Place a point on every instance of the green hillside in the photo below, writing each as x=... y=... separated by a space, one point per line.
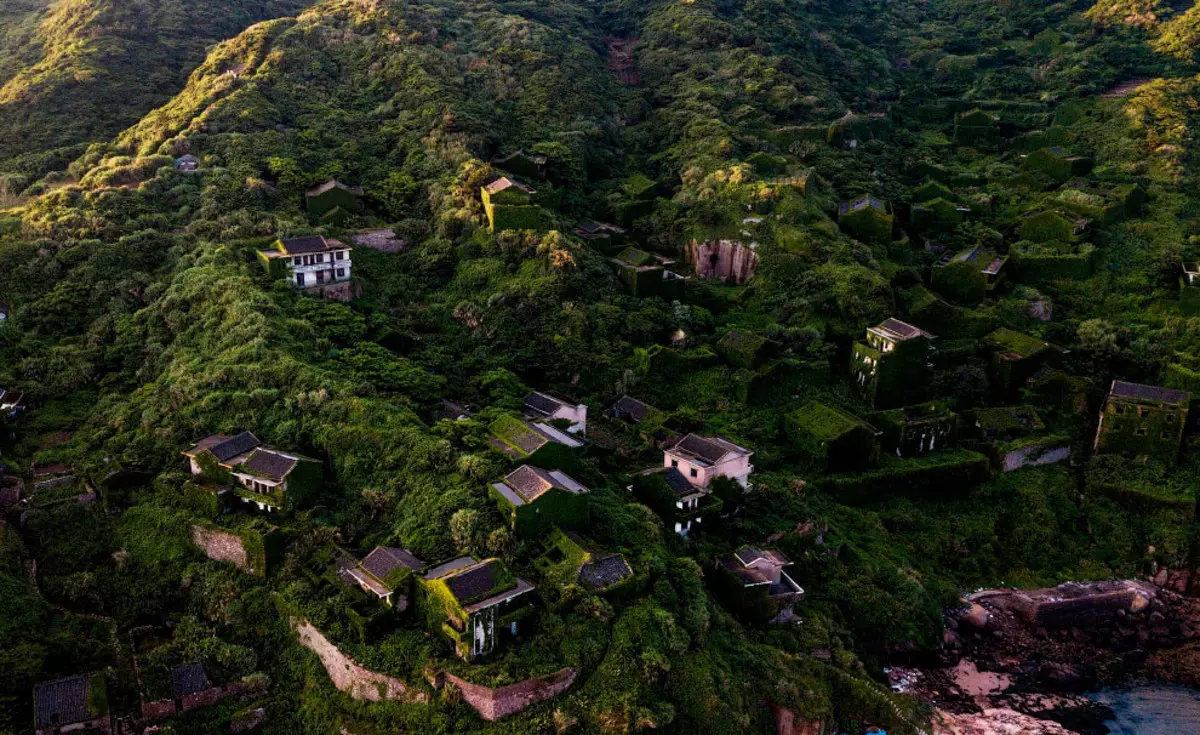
x=961 y=166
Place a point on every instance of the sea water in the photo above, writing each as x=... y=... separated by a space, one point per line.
x=1151 y=709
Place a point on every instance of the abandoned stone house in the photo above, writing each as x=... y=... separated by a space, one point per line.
x=261 y=476
x=766 y=590
x=724 y=260
x=309 y=261
x=832 y=439
x=689 y=503
x=702 y=459
x=509 y=205
x=891 y=365
x=867 y=219
x=1014 y=357
x=478 y=602
x=1142 y=421
x=1015 y=437
x=604 y=573
x=187 y=164
x=968 y=275
x=333 y=201
x=533 y=499
x=386 y=573
x=914 y=431
x=543 y=407
x=530 y=165
x=72 y=704
x=538 y=442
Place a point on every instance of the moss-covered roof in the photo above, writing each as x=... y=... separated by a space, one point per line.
x=826 y=422
x=1015 y=343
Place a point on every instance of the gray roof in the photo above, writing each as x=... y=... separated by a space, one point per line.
x=188 y=679
x=309 y=244
x=386 y=559
x=631 y=407
x=707 y=449
x=231 y=448
x=441 y=570
x=62 y=702
x=602 y=573
x=677 y=482
x=270 y=464
x=334 y=184
x=471 y=583
x=543 y=404
x=531 y=483
x=1121 y=389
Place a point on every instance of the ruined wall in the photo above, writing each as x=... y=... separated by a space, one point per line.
x=221 y=546
x=347 y=675
x=726 y=260
x=494 y=703
x=1032 y=456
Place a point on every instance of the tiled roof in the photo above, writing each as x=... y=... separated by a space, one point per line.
x=543 y=404
x=708 y=449
x=452 y=411
x=532 y=482
x=1121 y=389
x=473 y=582
x=331 y=185
x=600 y=574
x=748 y=554
x=270 y=464
x=62 y=702
x=207 y=442
x=385 y=559
x=504 y=183
x=188 y=679
x=902 y=330
x=677 y=482
x=309 y=244
x=631 y=407
x=230 y=448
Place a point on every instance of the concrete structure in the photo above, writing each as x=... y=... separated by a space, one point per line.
x=765 y=587
x=532 y=499
x=725 y=260
x=383 y=573
x=1142 y=421
x=891 y=365
x=478 y=601
x=260 y=475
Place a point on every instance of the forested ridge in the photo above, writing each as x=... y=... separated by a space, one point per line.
x=1052 y=138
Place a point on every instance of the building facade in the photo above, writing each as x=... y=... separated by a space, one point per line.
x=309 y=261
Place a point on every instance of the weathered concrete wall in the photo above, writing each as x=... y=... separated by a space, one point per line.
x=347 y=675
x=1033 y=456
x=726 y=260
x=494 y=703
x=221 y=545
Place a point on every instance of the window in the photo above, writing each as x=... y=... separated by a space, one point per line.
x=694 y=472
x=1170 y=417
x=1162 y=435
x=1141 y=431
x=341 y=255
x=299 y=279
x=320 y=258
x=1118 y=409
x=674 y=463
x=341 y=272
x=297 y=260
x=320 y=276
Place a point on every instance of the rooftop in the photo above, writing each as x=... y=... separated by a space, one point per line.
x=483 y=584
x=707 y=450
x=309 y=244
x=270 y=464
x=1137 y=391
x=526 y=484
x=861 y=203
x=1015 y=345
x=331 y=185
x=899 y=331
x=827 y=423
x=188 y=679
x=64 y=701
x=386 y=559
x=632 y=407
x=504 y=184
x=605 y=572
x=544 y=405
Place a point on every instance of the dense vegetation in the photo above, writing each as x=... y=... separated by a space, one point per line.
x=141 y=320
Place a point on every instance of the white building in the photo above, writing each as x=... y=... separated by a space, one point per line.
x=702 y=459
x=311 y=260
x=540 y=406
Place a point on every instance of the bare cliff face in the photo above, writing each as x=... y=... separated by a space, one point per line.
x=1010 y=656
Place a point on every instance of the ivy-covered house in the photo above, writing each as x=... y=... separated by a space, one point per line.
x=867 y=219
x=509 y=205
x=533 y=499
x=1142 y=421
x=645 y=274
x=529 y=165
x=937 y=214
x=682 y=505
x=76 y=703
x=967 y=276
x=267 y=478
x=975 y=126
x=543 y=407
x=603 y=236
x=1056 y=163
x=891 y=365
x=753 y=582
x=742 y=349
x=1016 y=437
x=387 y=572
x=311 y=261
x=1048 y=226
x=1038 y=263
x=1014 y=357
x=534 y=442
x=833 y=440
x=475 y=603
x=1189 y=288
x=333 y=201
x=914 y=431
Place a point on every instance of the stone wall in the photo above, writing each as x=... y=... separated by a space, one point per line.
x=221 y=546
x=726 y=260
x=494 y=703
x=347 y=675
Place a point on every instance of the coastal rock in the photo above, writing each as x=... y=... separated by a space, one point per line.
x=994 y=722
x=977 y=616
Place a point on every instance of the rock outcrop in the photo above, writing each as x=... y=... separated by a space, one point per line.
x=725 y=260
